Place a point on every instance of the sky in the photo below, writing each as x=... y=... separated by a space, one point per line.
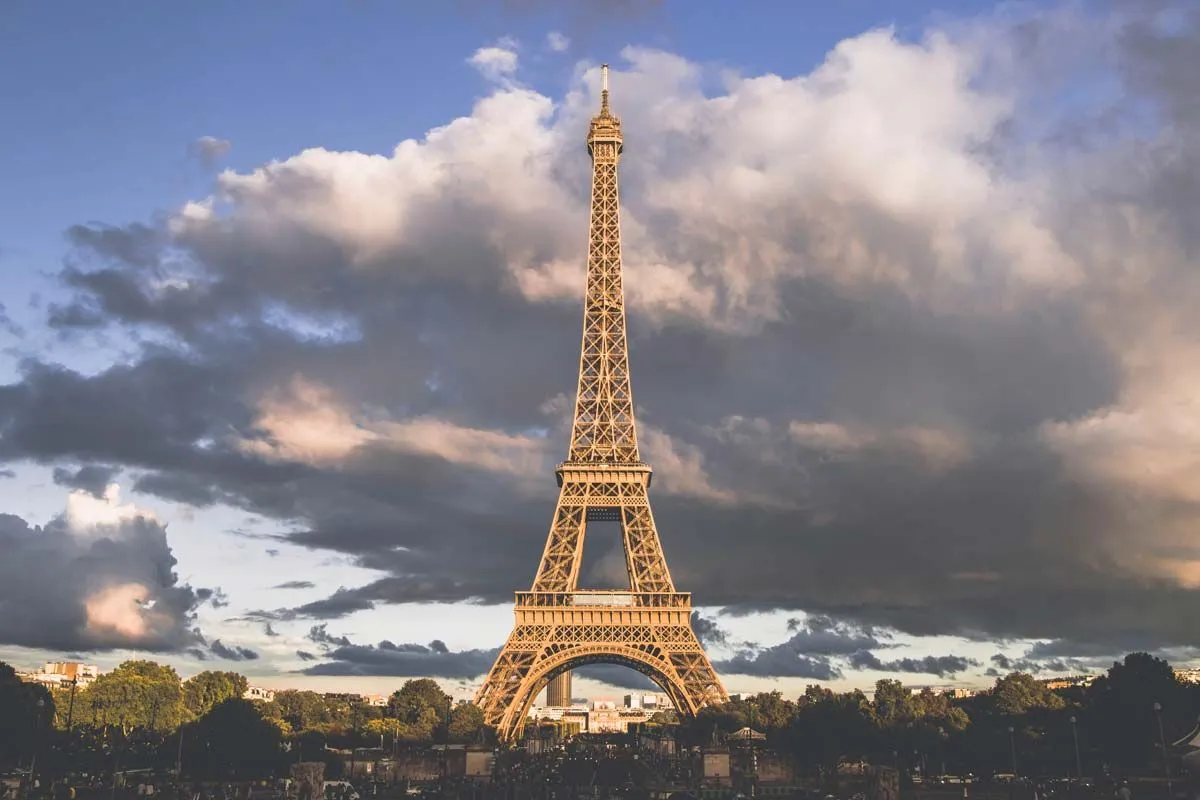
x=291 y=309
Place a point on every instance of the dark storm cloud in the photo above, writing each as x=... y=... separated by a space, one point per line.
x=851 y=422
x=618 y=677
x=304 y=655
x=295 y=585
x=7 y=473
x=816 y=649
x=78 y=585
x=941 y=666
x=1003 y=665
x=708 y=631
x=402 y=661
x=234 y=653
x=779 y=661
x=821 y=635
x=91 y=478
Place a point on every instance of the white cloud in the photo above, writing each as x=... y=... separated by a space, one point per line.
x=497 y=63
x=209 y=149
x=307 y=423
x=557 y=42
x=88 y=514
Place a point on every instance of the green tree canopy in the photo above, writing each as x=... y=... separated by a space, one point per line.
x=466 y=721
x=413 y=701
x=1020 y=693
x=137 y=694
x=204 y=691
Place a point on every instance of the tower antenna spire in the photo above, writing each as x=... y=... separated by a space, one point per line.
x=604 y=89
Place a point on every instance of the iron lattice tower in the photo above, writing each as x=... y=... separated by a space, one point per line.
x=558 y=627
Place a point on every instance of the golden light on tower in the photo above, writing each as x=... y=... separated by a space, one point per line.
x=558 y=627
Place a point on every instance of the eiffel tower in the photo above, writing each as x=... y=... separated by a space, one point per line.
x=558 y=627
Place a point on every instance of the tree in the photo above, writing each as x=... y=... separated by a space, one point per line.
x=303 y=711
x=204 y=691
x=1019 y=693
x=22 y=721
x=137 y=694
x=233 y=740
x=411 y=702
x=830 y=727
x=1121 y=719
x=769 y=711
x=466 y=720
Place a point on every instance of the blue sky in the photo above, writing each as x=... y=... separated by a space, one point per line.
x=103 y=105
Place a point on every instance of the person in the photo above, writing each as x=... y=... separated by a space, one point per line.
x=1123 y=793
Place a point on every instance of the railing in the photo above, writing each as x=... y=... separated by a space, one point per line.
x=605 y=599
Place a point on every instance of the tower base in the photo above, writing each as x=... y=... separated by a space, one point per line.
x=555 y=632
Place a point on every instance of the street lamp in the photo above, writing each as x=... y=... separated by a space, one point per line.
x=1078 y=761
x=1012 y=747
x=37 y=735
x=1162 y=739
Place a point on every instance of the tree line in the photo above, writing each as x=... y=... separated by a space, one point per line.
x=1019 y=725
x=142 y=714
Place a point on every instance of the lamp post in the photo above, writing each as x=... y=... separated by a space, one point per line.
x=37 y=737
x=1162 y=739
x=1012 y=747
x=1078 y=761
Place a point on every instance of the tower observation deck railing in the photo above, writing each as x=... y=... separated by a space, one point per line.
x=605 y=599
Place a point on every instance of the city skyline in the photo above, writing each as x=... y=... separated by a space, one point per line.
x=909 y=330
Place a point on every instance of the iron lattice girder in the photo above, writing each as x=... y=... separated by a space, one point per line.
x=558 y=627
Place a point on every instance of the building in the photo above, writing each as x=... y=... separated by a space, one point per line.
x=652 y=702
x=558 y=692
x=258 y=693
x=953 y=692
x=603 y=717
x=1188 y=675
x=1069 y=681
x=60 y=673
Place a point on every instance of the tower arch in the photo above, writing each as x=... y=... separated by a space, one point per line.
x=654 y=667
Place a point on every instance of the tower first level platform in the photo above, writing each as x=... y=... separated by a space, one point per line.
x=650 y=632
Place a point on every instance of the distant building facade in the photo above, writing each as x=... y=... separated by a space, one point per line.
x=59 y=673
x=604 y=716
x=1188 y=675
x=650 y=702
x=1069 y=681
x=259 y=693
x=558 y=692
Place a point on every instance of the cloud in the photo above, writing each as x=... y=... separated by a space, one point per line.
x=91 y=478
x=617 y=676
x=209 y=150
x=295 y=585
x=941 y=666
x=899 y=328
x=99 y=576
x=234 y=653
x=342 y=657
x=557 y=42
x=497 y=63
x=817 y=648
x=708 y=631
